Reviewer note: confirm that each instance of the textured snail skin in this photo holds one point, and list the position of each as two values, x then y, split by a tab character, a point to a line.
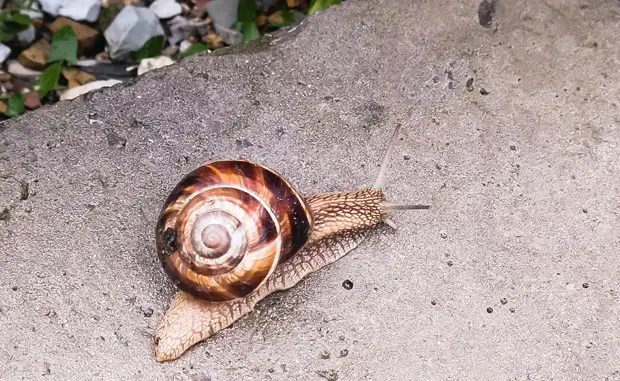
341	222
226	204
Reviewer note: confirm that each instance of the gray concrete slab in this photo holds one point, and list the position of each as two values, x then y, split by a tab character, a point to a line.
522	181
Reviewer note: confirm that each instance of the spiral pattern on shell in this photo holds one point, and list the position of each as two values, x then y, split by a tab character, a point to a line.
225	227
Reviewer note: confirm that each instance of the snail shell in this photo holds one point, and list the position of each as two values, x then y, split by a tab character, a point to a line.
225	227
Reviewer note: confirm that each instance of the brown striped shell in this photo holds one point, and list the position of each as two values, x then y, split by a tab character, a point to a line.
225	227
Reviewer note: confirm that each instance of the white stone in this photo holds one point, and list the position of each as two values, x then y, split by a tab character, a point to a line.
15	68
86	62
224	14
81	10
130	30
78	10
149	64
79	90
51	6
165	9
185	45
180	29
103	57
26	37
5	51
34	12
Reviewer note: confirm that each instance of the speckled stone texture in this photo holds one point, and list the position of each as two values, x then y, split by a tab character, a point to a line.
523	183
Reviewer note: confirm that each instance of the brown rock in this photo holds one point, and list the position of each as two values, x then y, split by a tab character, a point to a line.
38	23
293	3
276	18
32	100
73	83
261	20
36	56
213	40
84	78
86	35
3	107
69	72
170	50
76	77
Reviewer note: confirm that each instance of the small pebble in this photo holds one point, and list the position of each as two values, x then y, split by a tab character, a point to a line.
148	312
444	235
324	355
450	263
46	369
489	310
586	285
14	288
503	300
433	302
5	215
329	375
470	84
513	148
271	370
341	337
344	352
511	309
484	92
347	284
243	143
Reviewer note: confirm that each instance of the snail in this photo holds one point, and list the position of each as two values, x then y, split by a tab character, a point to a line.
233	232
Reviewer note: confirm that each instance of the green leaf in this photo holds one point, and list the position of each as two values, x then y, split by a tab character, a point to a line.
250	32
49	79
5	36
17	18
195	48
246	11
237	25
15	105
64	45
151	48
320	5
11	23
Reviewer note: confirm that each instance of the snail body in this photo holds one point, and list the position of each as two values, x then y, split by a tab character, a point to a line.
232	232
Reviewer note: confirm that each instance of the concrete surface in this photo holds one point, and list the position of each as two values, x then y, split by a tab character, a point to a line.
523	184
